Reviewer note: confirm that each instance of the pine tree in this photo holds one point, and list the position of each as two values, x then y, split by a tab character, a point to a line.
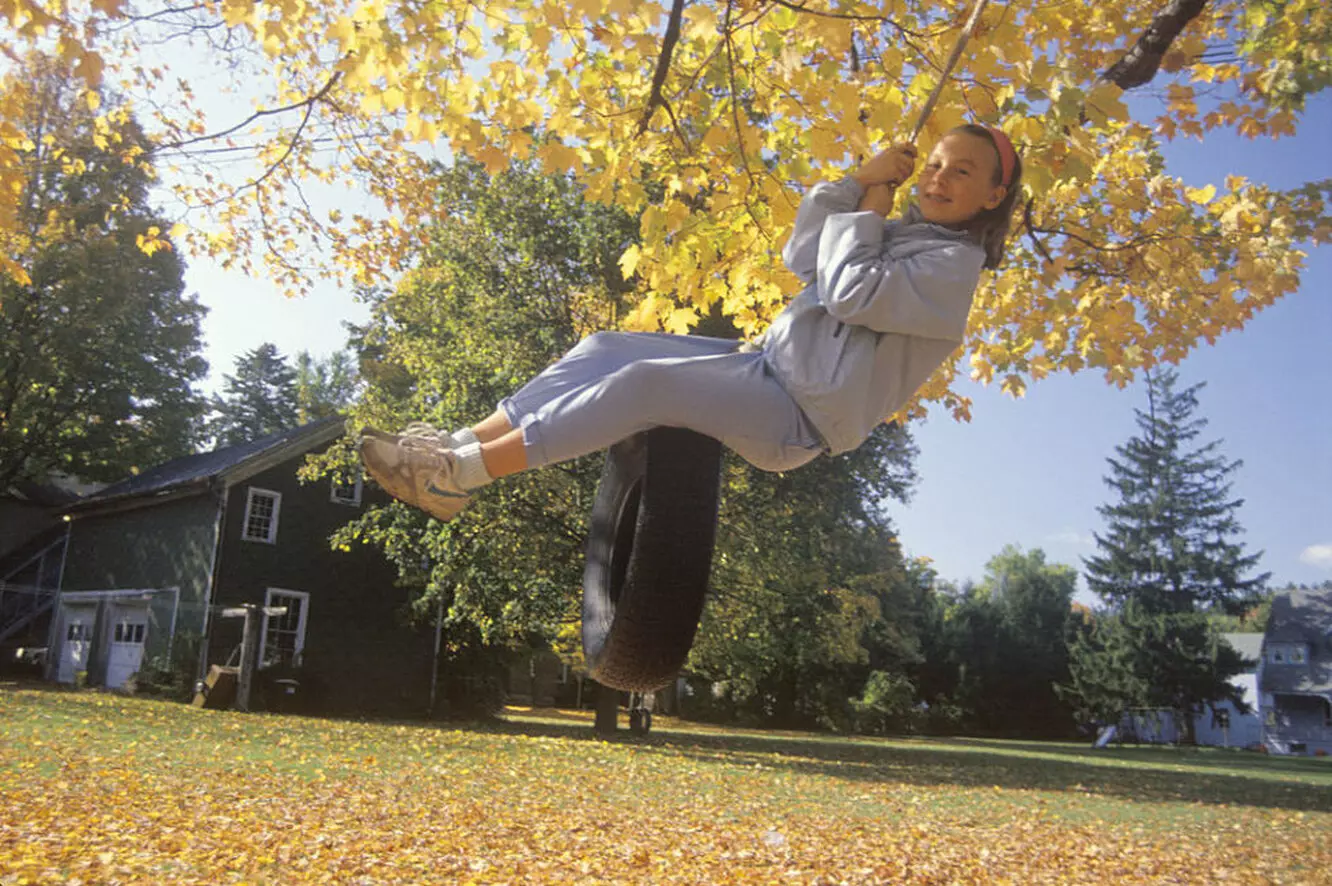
1171	540
1169	559
260	399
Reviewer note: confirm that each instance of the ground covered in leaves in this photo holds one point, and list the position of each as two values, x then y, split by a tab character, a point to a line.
98	788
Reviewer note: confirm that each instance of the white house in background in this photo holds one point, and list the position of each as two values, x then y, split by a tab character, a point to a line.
1224	726
1295	686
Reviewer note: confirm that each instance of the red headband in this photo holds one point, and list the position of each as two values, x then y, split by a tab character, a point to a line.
1007	156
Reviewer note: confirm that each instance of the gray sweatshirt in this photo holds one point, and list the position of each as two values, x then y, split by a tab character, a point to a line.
886	303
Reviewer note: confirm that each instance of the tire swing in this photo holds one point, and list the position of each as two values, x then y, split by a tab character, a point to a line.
649	554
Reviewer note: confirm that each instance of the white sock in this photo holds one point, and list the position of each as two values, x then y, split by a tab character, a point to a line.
472	473
462	437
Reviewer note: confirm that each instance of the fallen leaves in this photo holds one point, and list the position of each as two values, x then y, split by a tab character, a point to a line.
154	793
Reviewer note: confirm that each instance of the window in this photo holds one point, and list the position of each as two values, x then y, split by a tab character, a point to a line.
1287	653
346	493
261	515
129	632
284	635
77	631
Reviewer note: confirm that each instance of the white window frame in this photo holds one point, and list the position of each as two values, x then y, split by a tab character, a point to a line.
300	627
271	538
1288	654
353	501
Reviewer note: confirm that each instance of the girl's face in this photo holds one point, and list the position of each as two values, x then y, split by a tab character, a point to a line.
959	180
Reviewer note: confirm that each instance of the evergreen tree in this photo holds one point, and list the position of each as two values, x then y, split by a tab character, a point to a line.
1171	542
260	399
1168	561
1133	658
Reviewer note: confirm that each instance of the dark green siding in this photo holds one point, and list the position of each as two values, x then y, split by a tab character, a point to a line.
166	545
360	656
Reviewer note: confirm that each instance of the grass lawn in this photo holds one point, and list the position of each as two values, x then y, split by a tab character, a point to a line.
99	788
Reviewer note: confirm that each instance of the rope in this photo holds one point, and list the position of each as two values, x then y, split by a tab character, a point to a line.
948	69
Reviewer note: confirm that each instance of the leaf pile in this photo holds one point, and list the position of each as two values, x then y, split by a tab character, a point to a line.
102	789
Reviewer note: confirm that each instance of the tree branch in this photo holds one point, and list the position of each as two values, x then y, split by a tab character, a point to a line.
1140	64
663	64
308	103
1030	225
879	19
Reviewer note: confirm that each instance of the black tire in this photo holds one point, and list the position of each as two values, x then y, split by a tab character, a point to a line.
649	554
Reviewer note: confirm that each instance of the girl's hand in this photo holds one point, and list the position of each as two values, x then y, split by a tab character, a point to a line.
890	167
878	198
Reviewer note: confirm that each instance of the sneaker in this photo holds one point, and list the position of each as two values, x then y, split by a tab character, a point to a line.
415	470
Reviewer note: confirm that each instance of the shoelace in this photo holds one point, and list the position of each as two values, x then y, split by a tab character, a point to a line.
424	438
422	429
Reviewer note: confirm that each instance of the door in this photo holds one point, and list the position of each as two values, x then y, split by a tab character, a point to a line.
76	643
129	630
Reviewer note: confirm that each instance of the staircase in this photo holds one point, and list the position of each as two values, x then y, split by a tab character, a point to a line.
29	584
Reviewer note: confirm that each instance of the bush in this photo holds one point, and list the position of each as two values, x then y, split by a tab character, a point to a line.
885	704
171	676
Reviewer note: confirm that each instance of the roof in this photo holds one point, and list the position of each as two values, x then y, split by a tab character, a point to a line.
46	495
201	470
1301	616
1248	645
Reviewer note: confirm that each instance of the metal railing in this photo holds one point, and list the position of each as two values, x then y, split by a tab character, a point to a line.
32	595
21	605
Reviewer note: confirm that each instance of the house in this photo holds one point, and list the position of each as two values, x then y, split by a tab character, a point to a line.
1295	686
1224	725
151	563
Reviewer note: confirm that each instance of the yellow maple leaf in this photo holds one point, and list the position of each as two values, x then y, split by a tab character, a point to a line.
1201	196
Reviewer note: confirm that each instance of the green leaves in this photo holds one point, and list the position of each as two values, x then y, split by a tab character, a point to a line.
100	348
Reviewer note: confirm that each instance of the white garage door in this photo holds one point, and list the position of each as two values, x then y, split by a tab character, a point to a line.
77	642
129	630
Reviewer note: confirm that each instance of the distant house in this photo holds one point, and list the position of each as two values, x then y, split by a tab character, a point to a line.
1296	681
1224	725
151	563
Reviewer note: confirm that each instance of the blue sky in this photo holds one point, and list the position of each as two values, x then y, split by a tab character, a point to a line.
1029	471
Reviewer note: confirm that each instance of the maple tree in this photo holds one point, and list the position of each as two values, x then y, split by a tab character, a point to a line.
707	119
100	347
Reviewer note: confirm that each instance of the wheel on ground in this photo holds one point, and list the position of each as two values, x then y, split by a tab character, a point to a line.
649	554
640	721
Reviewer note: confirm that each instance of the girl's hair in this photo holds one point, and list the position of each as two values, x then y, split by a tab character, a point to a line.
990	226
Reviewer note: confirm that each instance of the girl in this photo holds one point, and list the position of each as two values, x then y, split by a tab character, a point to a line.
886	302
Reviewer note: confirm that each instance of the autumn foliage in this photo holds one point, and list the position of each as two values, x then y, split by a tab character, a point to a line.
707	119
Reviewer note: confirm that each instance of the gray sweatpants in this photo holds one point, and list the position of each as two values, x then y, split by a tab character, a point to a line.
615	384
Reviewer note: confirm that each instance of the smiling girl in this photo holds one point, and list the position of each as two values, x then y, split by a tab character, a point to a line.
885	303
